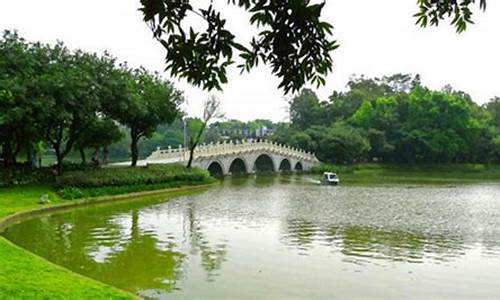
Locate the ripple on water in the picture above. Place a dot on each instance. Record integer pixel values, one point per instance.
(279, 236)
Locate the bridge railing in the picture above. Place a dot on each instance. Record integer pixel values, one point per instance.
(231, 147)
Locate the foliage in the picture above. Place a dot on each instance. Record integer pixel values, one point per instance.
(305, 110)
(291, 38)
(211, 110)
(432, 12)
(493, 108)
(22, 175)
(53, 96)
(146, 102)
(20, 112)
(151, 174)
(374, 173)
(72, 193)
(100, 134)
(393, 119)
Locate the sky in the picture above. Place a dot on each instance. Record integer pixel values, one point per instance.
(376, 38)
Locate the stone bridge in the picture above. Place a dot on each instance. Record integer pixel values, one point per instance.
(240, 157)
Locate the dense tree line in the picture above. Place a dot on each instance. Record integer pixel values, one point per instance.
(68, 100)
(394, 119)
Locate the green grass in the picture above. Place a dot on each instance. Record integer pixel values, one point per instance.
(18, 198)
(26, 276)
(422, 174)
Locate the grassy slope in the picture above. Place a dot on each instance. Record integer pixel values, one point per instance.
(26, 276)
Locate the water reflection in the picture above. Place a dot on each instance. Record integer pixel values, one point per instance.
(362, 244)
(270, 234)
(212, 256)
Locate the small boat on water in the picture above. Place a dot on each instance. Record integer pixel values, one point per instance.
(330, 178)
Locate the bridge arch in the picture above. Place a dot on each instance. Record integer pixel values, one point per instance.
(299, 167)
(238, 166)
(264, 163)
(285, 165)
(216, 168)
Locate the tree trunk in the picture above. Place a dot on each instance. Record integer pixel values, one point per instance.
(60, 158)
(9, 158)
(193, 144)
(134, 149)
(95, 157)
(105, 155)
(82, 155)
(30, 156)
(191, 155)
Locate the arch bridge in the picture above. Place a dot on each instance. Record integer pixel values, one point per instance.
(240, 157)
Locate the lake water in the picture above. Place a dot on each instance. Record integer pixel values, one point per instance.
(286, 238)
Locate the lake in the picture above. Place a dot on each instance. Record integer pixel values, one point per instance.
(285, 237)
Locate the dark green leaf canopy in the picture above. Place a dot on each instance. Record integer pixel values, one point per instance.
(459, 11)
(291, 39)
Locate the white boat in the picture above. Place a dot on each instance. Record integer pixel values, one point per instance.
(330, 178)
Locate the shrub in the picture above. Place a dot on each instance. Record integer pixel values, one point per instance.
(71, 193)
(320, 169)
(112, 181)
(23, 175)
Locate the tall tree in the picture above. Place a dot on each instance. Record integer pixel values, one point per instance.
(211, 111)
(72, 86)
(141, 102)
(494, 108)
(305, 110)
(21, 111)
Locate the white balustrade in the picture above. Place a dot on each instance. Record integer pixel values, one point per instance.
(236, 147)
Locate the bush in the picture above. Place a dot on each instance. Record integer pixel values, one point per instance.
(320, 169)
(71, 193)
(23, 175)
(112, 181)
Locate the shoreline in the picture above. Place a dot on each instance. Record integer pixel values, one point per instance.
(27, 214)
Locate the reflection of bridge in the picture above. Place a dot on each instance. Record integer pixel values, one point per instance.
(241, 157)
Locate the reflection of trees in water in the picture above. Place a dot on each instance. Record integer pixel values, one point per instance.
(124, 257)
(108, 244)
(212, 257)
(358, 242)
(147, 267)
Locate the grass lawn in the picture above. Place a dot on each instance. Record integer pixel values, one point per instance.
(26, 276)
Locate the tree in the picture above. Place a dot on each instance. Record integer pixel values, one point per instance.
(72, 85)
(494, 108)
(21, 111)
(339, 143)
(142, 101)
(305, 110)
(211, 111)
(99, 135)
(291, 39)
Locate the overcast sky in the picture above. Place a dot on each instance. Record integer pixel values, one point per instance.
(376, 37)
